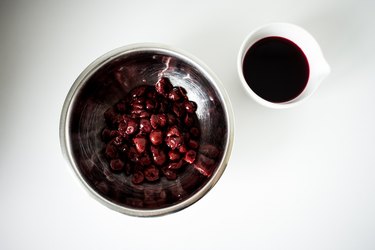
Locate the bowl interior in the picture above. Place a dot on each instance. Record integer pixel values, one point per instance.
(109, 82)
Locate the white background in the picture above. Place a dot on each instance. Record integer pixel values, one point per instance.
(302, 178)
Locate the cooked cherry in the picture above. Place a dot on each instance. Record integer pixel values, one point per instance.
(111, 151)
(116, 164)
(139, 100)
(139, 113)
(132, 127)
(163, 86)
(190, 106)
(133, 154)
(123, 149)
(154, 121)
(140, 143)
(138, 91)
(138, 177)
(152, 94)
(173, 141)
(151, 173)
(178, 109)
(173, 131)
(174, 165)
(182, 149)
(150, 105)
(190, 156)
(145, 160)
(156, 137)
(175, 94)
(162, 120)
(183, 92)
(158, 155)
(114, 133)
(144, 114)
(118, 140)
(145, 126)
(174, 155)
(204, 165)
(163, 106)
(171, 119)
(122, 127)
(137, 106)
(189, 119)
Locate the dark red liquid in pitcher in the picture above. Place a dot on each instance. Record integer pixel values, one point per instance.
(276, 69)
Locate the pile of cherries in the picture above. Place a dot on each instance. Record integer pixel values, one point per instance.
(152, 132)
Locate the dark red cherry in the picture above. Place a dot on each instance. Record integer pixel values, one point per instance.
(190, 156)
(163, 86)
(156, 137)
(138, 177)
(140, 143)
(151, 173)
(116, 164)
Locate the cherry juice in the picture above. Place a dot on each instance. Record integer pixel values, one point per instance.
(276, 69)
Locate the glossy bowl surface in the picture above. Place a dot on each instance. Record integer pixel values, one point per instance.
(107, 80)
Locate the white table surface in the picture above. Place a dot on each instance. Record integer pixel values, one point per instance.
(302, 178)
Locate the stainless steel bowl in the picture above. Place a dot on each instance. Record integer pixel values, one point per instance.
(106, 81)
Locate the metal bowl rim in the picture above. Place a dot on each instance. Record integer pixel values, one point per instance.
(103, 60)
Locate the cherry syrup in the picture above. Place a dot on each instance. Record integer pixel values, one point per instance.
(276, 69)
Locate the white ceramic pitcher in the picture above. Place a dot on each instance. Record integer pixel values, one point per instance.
(318, 66)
